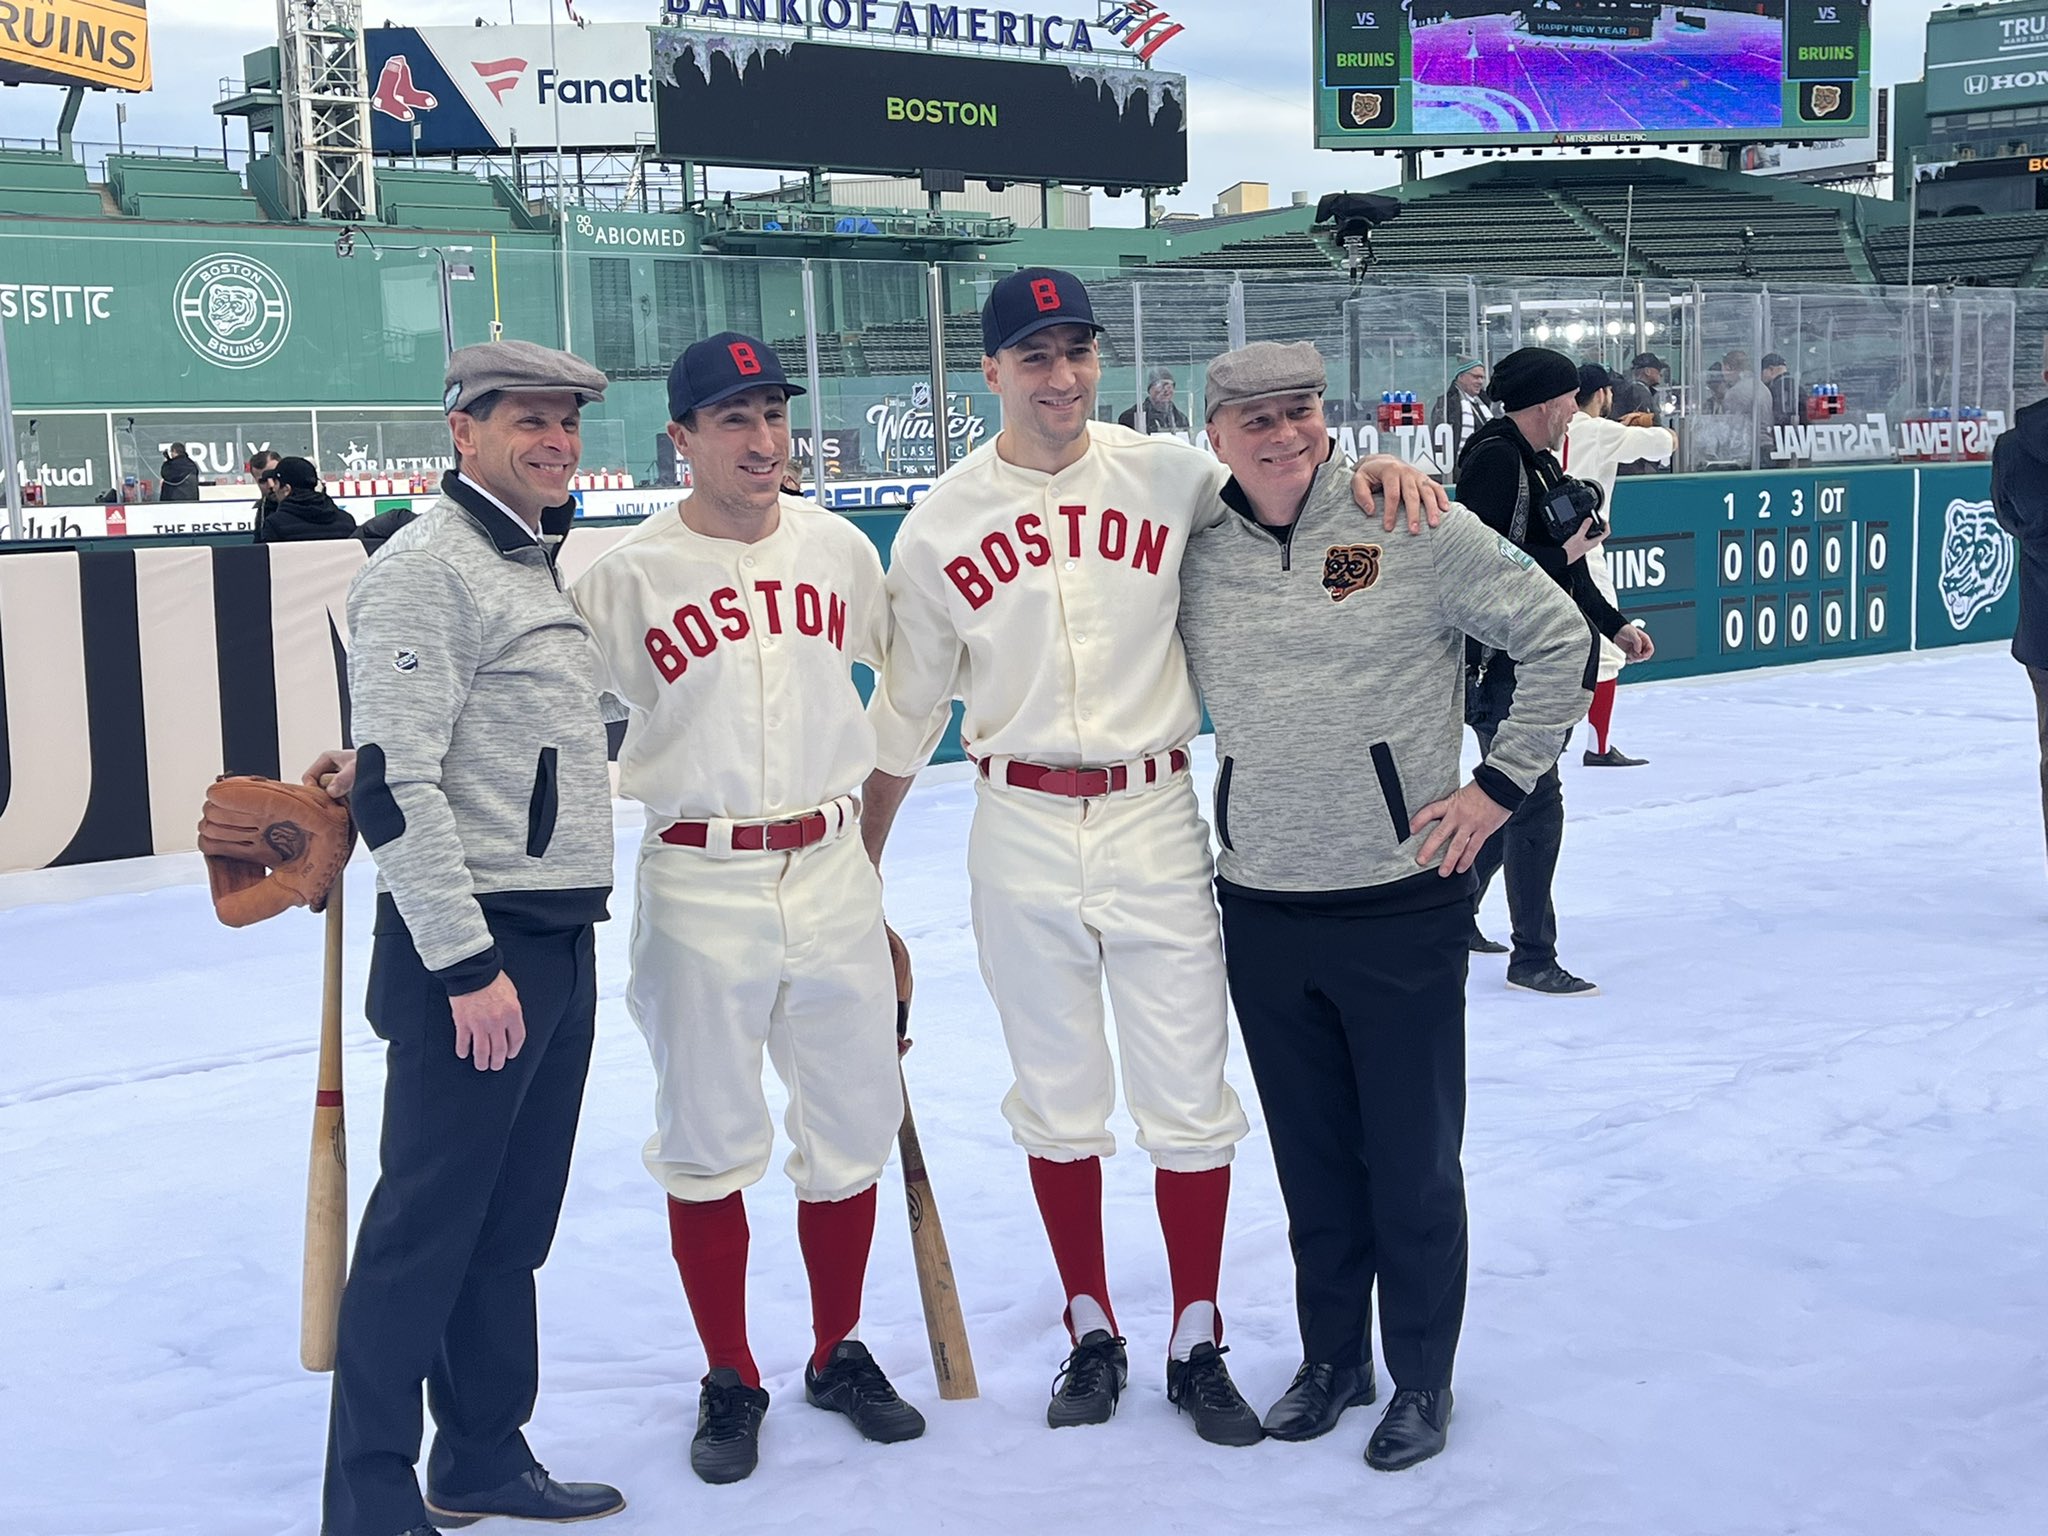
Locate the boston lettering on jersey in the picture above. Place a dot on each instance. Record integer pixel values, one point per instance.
(1113, 539)
(804, 609)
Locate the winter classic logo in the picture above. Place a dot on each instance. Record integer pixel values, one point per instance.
(232, 311)
(1976, 561)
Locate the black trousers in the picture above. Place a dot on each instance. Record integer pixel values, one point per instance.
(1527, 846)
(2038, 676)
(441, 1289)
(1355, 1027)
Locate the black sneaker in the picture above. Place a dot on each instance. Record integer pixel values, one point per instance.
(1552, 981)
(854, 1385)
(1479, 944)
(1089, 1384)
(727, 1445)
(1613, 757)
(1200, 1386)
(1413, 1430)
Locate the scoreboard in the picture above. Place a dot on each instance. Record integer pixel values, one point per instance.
(1735, 571)
(1422, 74)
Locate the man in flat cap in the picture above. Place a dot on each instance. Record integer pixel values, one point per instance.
(479, 782)
(1038, 581)
(1345, 871)
(1509, 475)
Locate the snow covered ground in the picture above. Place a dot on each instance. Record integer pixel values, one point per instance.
(1757, 1236)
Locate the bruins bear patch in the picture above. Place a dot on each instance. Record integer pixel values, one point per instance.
(1350, 568)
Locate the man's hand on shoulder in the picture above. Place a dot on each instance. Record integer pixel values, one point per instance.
(1407, 490)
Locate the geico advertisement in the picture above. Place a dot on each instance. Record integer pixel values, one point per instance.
(472, 90)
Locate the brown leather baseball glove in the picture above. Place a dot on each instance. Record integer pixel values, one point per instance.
(269, 846)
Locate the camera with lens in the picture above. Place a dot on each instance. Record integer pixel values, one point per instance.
(1571, 505)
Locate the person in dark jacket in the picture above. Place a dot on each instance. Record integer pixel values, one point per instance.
(377, 531)
(178, 480)
(2019, 496)
(262, 468)
(1506, 473)
(306, 512)
(1157, 412)
(1463, 406)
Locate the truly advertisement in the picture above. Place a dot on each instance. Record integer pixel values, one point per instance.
(1988, 59)
(728, 100)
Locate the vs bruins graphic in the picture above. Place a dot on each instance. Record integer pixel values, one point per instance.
(1350, 568)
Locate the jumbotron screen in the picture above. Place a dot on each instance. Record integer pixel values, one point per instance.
(1429, 74)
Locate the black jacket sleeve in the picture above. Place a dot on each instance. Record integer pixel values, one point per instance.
(2015, 498)
(1605, 617)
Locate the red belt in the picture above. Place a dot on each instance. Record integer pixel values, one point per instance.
(1082, 783)
(754, 836)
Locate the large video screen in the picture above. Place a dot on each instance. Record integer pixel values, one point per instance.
(897, 111)
(1423, 74)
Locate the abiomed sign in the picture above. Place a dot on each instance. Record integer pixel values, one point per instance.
(75, 42)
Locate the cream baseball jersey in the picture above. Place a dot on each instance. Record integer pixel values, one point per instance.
(736, 662)
(1047, 603)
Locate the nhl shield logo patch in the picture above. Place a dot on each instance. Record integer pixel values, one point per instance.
(1349, 568)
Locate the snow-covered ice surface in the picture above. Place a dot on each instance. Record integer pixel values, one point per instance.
(1757, 1236)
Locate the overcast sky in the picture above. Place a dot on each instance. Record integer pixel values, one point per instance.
(1248, 79)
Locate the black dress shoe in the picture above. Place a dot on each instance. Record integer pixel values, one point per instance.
(1200, 1387)
(1317, 1400)
(854, 1385)
(1613, 757)
(531, 1496)
(1479, 944)
(1411, 1431)
(727, 1445)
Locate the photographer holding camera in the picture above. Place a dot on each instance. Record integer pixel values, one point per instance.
(1509, 475)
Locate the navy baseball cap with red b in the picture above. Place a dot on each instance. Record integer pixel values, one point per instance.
(1030, 300)
(719, 367)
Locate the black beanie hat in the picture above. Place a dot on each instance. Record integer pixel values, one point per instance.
(1531, 376)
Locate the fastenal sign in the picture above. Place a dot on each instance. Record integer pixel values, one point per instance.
(75, 42)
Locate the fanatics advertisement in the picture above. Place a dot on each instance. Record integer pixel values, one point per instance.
(765, 102)
(482, 90)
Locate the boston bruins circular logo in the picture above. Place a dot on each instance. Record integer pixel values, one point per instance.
(232, 311)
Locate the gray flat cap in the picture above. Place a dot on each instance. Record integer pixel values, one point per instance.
(1265, 368)
(517, 367)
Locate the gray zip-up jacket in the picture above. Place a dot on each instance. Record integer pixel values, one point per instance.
(1332, 661)
(481, 782)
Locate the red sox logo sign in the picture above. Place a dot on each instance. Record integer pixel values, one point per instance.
(396, 96)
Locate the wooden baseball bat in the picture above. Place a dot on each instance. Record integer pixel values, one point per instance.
(944, 1324)
(326, 1173)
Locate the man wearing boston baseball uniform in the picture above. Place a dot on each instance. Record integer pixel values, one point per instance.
(1039, 580)
(479, 783)
(1330, 666)
(729, 627)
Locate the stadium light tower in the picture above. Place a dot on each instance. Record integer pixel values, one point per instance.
(326, 109)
